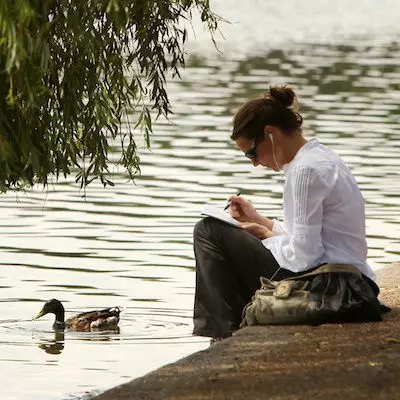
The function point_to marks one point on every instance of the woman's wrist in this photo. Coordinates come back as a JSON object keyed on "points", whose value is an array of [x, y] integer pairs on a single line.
{"points": [[267, 234]]}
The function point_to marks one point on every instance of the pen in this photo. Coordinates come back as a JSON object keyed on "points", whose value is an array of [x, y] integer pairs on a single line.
{"points": [[229, 203]]}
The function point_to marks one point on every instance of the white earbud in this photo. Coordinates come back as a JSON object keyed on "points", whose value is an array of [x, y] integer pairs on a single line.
{"points": [[271, 137]]}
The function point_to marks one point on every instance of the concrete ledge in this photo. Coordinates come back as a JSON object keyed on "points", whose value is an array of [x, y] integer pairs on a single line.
{"points": [[351, 361]]}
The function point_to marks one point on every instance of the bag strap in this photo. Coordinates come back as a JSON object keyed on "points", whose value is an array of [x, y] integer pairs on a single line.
{"points": [[328, 268]]}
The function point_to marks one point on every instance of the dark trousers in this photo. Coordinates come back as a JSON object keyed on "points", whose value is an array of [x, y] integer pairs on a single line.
{"points": [[229, 263]]}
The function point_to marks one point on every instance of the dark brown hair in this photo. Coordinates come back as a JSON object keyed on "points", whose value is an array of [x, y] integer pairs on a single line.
{"points": [[277, 107]]}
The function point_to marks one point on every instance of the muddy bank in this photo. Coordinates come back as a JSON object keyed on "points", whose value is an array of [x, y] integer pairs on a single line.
{"points": [[351, 361]]}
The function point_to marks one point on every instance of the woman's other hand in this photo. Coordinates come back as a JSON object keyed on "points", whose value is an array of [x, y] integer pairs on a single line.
{"points": [[257, 230]]}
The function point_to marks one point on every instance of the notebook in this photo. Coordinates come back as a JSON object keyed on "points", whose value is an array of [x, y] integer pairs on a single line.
{"points": [[216, 212]]}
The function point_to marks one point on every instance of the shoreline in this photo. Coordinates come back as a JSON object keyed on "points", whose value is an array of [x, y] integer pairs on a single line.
{"points": [[333, 361]]}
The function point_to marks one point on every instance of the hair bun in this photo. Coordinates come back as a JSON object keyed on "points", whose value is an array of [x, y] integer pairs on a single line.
{"points": [[283, 95], [277, 107]]}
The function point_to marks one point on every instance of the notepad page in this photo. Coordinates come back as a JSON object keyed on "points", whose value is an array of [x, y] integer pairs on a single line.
{"points": [[215, 212]]}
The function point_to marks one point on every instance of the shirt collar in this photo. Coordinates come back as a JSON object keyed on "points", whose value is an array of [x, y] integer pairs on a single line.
{"points": [[309, 145]]}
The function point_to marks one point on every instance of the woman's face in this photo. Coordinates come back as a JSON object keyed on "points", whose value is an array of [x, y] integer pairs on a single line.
{"points": [[260, 151]]}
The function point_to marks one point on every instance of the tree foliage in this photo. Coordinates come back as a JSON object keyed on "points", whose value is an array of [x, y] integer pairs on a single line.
{"points": [[72, 70]]}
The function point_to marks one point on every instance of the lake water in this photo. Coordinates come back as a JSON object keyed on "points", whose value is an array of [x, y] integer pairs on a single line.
{"points": [[131, 245]]}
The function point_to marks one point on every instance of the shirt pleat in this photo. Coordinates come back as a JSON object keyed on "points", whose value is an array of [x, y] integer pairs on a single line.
{"points": [[302, 179]]}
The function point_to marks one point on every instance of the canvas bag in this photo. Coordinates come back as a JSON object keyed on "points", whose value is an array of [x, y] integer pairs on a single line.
{"points": [[330, 293]]}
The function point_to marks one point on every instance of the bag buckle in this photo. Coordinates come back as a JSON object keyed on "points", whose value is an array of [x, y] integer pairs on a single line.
{"points": [[283, 289]]}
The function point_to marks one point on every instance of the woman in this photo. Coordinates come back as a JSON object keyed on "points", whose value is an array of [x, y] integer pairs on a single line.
{"points": [[324, 219]]}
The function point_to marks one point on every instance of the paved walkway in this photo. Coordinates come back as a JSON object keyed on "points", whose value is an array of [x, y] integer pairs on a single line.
{"points": [[351, 361]]}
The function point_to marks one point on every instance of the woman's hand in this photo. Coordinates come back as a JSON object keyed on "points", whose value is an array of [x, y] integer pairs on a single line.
{"points": [[242, 209], [257, 230]]}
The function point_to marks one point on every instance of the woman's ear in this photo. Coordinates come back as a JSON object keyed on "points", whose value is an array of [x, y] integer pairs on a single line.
{"points": [[269, 131]]}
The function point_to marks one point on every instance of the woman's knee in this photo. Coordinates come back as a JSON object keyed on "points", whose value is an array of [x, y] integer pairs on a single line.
{"points": [[208, 228], [201, 227]]}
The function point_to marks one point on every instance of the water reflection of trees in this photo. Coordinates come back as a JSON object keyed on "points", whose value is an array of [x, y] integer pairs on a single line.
{"points": [[358, 68]]}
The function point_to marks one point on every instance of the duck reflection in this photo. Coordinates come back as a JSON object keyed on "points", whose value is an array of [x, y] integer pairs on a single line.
{"points": [[56, 345], [53, 346]]}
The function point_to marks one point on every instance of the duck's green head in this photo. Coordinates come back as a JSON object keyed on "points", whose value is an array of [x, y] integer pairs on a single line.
{"points": [[52, 306]]}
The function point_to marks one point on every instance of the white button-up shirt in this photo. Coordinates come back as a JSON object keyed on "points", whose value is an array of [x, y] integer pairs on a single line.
{"points": [[324, 214]]}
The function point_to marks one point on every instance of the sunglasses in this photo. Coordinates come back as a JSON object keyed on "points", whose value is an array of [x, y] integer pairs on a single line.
{"points": [[252, 152]]}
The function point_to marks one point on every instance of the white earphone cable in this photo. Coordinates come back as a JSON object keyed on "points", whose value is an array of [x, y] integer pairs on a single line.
{"points": [[276, 162]]}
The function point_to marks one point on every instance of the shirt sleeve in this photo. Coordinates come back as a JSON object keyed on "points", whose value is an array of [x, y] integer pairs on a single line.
{"points": [[302, 248], [278, 227]]}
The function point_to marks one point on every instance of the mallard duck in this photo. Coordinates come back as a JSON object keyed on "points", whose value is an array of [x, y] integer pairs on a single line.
{"points": [[106, 319]]}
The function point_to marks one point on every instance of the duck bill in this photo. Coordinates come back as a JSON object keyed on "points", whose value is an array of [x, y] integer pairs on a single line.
{"points": [[39, 315]]}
